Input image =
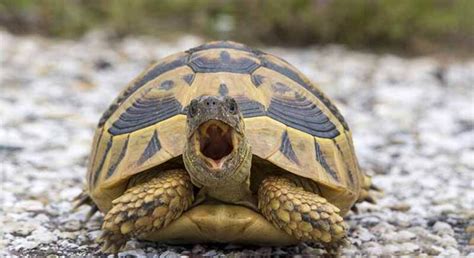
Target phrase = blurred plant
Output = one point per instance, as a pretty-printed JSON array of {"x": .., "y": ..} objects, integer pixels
[{"x": 362, "y": 23}]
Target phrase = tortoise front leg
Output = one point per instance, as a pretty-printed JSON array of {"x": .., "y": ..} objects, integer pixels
[
  {"x": 146, "y": 207},
  {"x": 302, "y": 214}
]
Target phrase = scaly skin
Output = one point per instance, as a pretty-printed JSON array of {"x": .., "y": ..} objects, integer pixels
[
  {"x": 146, "y": 207},
  {"x": 304, "y": 215}
]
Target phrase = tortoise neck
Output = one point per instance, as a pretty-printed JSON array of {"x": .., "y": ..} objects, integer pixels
[
  {"x": 234, "y": 189},
  {"x": 201, "y": 177}
]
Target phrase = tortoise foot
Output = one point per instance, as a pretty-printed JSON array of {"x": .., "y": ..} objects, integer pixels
[
  {"x": 111, "y": 242},
  {"x": 368, "y": 188},
  {"x": 147, "y": 207},
  {"x": 304, "y": 215}
]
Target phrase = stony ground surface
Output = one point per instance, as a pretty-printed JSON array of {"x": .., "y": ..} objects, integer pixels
[{"x": 412, "y": 121}]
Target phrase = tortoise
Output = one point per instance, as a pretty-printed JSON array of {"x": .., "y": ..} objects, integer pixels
[{"x": 223, "y": 143}]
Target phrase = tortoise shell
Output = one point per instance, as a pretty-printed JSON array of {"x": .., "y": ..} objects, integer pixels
[{"x": 289, "y": 122}]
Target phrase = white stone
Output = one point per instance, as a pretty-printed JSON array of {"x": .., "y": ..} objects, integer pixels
[
  {"x": 434, "y": 249},
  {"x": 442, "y": 228},
  {"x": 409, "y": 248},
  {"x": 450, "y": 252},
  {"x": 43, "y": 236},
  {"x": 136, "y": 253},
  {"x": 22, "y": 243},
  {"x": 72, "y": 225},
  {"x": 405, "y": 236},
  {"x": 41, "y": 218},
  {"x": 391, "y": 249}
]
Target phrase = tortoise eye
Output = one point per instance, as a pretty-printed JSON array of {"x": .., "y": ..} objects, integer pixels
[
  {"x": 232, "y": 104},
  {"x": 193, "y": 109}
]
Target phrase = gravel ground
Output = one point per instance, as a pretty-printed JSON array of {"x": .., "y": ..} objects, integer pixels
[{"x": 412, "y": 121}]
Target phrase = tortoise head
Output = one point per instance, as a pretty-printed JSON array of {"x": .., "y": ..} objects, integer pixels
[{"x": 216, "y": 146}]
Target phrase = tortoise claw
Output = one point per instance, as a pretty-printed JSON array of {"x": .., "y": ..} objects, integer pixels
[
  {"x": 375, "y": 188},
  {"x": 355, "y": 209},
  {"x": 370, "y": 199},
  {"x": 334, "y": 248},
  {"x": 91, "y": 212},
  {"x": 111, "y": 242},
  {"x": 84, "y": 199}
]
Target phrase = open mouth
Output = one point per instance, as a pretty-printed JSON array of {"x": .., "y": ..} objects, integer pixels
[{"x": 215, "y": 141}]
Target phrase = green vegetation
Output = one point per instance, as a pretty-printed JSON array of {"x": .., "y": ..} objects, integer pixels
[{"x": 401, "y": 24}]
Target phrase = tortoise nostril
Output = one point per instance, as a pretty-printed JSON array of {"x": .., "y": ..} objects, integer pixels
[{"x": 211, "y": 103}]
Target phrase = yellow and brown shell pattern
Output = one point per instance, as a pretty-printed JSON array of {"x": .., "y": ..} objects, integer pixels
[{"x": 288, "y": 120}]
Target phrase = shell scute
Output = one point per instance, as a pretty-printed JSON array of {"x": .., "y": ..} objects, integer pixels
[
  {"x": 218, "y": 60},
  {"x": 221, "y": 45},
  {"x": 168, "y": 64},
  {"x": 281, "y": 66}
]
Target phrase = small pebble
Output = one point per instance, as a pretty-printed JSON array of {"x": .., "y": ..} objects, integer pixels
[
  {"x": 450, "y": 252},
  {"x": 470, "y": 229},
  {"x": 93, "y": 235},
  {"x": 210, "y": 253},
  {"x": 24, "y": 229},
  {"x": 169, "y": 254},
  {"x": 43, "y": 236},
  {"x": 198, "y": 249},
  {"x": 433, "y": 250},
  {"x": 29, "y": 205},
  {"x": 391, "y": 249},
  {"x": 405, "y": 236},
  {"x": 72, "y": 225},
  {"x": 134, "y": 253},
  {"x": 374, "y": 251},
  {"x": 400, "y": 207},
  {"x": 442, "y": 228},
  {"x": 409, "y": 248}
]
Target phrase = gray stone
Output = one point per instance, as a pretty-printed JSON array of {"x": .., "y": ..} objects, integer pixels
[
  {"x": 22, "y": 243},
  {"x": 391, "y": 250},
  {"x": 93, "y": 235},
  {"x": 409, "y": 248},
  {"x": 169, "y": 254},
  {"x": 210, "y": 253},
  {"x": 364, "y": 234},
  {"x": 375, "y": 250},
  {"x": 22, "y": 229},
  {"x": 43, "y": 236},
  {"x": 433, "y": 249},
  {"x": 72, "y": 225},
  {"x": 449, "y": 241},
  {"x": 198, "y": 249},
  {"x": 450, "y": 252},
  {"x": 405, "y": 236},
  {"x": 41, "y": 218}
]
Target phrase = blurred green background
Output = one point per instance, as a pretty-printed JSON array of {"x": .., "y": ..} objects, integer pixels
[{"x": 410, "y": 26}]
